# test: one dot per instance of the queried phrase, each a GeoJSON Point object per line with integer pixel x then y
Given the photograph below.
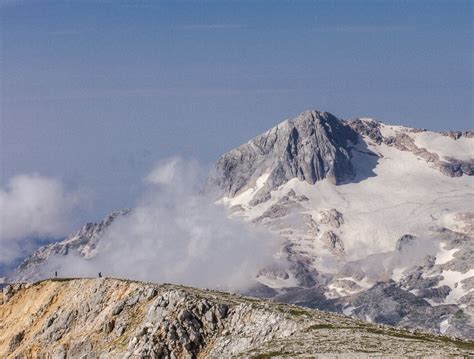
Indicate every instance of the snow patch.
{"type": "Point", "coordinates": [445, 146]}
{"type": "Point", "coordinates": [443, 326]}
{"type": "Point", "coordinates": [390, 131]}
{"type": "Point", "coordinates": [245, 197]}
{"type": "Point", "coordinates": [348, 310]}
{"type": "Point", "coordinates": [445, 255]}
{"type": "Point", "coordinates": [453, 280]}
{"type": "Point", "coordinates": [278, 282]}
{"type": "Point", "coordinates": [397, 273]}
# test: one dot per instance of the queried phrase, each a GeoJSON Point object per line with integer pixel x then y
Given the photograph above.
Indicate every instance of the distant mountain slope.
{"type": "Point", "coordinates": [82, 243]}
{"type": "Point", "coordinates": [362, 203]}
{"type": "Point", "coordinates": [116, 318]}
{"type": "Point", "coordinates": [377, 220]}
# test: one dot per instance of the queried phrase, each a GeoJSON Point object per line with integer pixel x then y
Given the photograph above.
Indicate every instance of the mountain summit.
{"type": "Point", "coordinates": [315, 146]}
{"type": "Point", "coordinates": [376, 220]}
{"type": "Point", "coordinates": [311, 147]}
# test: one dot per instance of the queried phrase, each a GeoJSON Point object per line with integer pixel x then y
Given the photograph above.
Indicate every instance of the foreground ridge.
{"type": "Point", "coordinates": [121, 318]}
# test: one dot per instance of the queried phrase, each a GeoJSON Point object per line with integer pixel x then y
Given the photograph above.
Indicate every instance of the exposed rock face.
{"type": "Point", "coordinates": [456, 168]}
{"type": "Point", "coordinates": [15, 341]}
{"type": "Point", "coordinates": [311, 147]}
{"type": "Point", "coordinates": [334, 243]}
{"type": "Point", "coordinates": [370, 129]}
{"type": "Point", "coordinates": [387, 303]}
{"type": "Point", "coordinates": [283, 207]}
{"type": "Point", "coordinates": [404, 242]}
{"type": "Point", "coordinates": [112, 318]}
{"type": "Point", "coordinates": [331, 217]}
{"type": "Point", "coordinates": [458, 134]}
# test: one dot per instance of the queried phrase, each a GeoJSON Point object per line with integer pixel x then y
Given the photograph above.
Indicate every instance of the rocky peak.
{"type": "Point", "coordinates": [310, 147]}
{"type": "Point", "coordinates": [367, 127]}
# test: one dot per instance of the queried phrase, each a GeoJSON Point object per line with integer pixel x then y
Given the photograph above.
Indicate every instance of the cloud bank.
{"type": "Point", "coordinates": [32, 207]}
{"type": "Point", "coordinates": [176, 234]}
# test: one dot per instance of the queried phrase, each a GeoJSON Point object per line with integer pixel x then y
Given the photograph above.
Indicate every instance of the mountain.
{"type": "Point", "coordinates": [83, 243]}
{"type": "Point", "coordinates": [377, 219]}
{"type": "Point", "coordinates": [112, 318]}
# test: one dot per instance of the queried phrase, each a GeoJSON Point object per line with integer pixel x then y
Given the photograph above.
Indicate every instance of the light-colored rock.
{"type": "Point", "coordinates": [311, 147]}
{"type": "Point", "coordinates": [182, 322]}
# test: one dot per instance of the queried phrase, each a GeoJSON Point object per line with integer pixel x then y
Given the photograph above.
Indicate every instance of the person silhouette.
{"type": "Point", "coordinates": [55, 274]}
{"type": "Point", "coordinates": [100, 274]}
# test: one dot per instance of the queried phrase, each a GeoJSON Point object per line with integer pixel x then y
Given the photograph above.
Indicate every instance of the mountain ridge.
{"type": "Point", "coordinates": [358, 203]}
{"type": "Point", "coordinates": [121, 318]}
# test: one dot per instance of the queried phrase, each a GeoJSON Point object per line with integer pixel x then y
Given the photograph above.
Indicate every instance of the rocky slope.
{"type": "Point", "coordinates": [389, 240]}
{"type": "Point", "coordinates": [311, 147]}
{"type": "Point", "coordinates": [115, 318]}
{"type": "Point", "coordinates": [377, 220]}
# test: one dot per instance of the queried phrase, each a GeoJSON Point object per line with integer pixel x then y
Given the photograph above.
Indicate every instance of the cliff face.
{"type": "Point", "coordinates": [115, 318]}
{"type": "Point", "coordinates": [310, 147]}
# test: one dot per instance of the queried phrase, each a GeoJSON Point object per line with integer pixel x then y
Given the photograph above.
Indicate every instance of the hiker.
{"type": "Point", "coordinates": [55, 274]}
{"type": "Point", "coordinates": [100, 275]}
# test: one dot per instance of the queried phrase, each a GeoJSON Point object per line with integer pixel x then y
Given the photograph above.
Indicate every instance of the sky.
{"type": "Point", "coordinates": [94, 93]}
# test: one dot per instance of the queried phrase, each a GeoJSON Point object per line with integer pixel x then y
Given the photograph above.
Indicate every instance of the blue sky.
{"type": "Point", "coordinates": [95, 92]}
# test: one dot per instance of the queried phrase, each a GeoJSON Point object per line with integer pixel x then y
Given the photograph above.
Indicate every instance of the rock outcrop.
{"type": "Point", "coordinates": [310, 147]}
{"type": "Point", "coordinates": [111, 318]}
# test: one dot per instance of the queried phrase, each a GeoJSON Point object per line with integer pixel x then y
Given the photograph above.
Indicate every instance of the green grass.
{"type": "Point", "coordinates": [271, 355]}
{"type": "Point", "coordinates": [323, 326]}
{"type": "Point", "coordinates": [461, 344]}
{"type": "Point", "coordinates": [297, 312]}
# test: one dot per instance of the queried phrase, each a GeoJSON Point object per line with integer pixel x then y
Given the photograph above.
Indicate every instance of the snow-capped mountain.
{"type": "Point", "coordinates": [377, 220]}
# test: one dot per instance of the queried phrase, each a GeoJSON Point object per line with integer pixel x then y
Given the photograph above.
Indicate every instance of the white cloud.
{"type": "Point", "coordinates": [177, 235]}
{"type": "Point", "coordinates": [32, 206]}
{"type": "Point", "coordinates": [175, 172]}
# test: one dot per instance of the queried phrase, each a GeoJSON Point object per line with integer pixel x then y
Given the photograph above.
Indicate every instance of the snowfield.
{"type": "Point", "coordinates": [404, 195]}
